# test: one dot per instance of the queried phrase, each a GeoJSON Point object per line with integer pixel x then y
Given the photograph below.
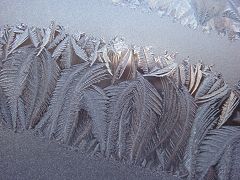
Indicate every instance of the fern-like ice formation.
{"type": "Point", "coordinates": [220, 15]}
{"type": "Point", "coordinates": [120, 101]}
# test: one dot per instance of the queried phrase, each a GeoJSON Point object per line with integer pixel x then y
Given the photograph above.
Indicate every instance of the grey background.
{"type": "Point", "coordinates": [101, 18]}
{"type": "Point", "coordinates": [24, 156]}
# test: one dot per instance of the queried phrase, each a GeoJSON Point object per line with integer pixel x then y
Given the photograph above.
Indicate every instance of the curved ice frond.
{"type": "Point", "coordinates": [75, 101]}
{"type": "Point", "coordinates": [28, 82]}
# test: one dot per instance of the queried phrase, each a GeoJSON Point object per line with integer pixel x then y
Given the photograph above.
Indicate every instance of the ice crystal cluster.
{"type": "Point", "coordinates": [120, 101]}
{"type": "Point", "coordinates": [220, 15]}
